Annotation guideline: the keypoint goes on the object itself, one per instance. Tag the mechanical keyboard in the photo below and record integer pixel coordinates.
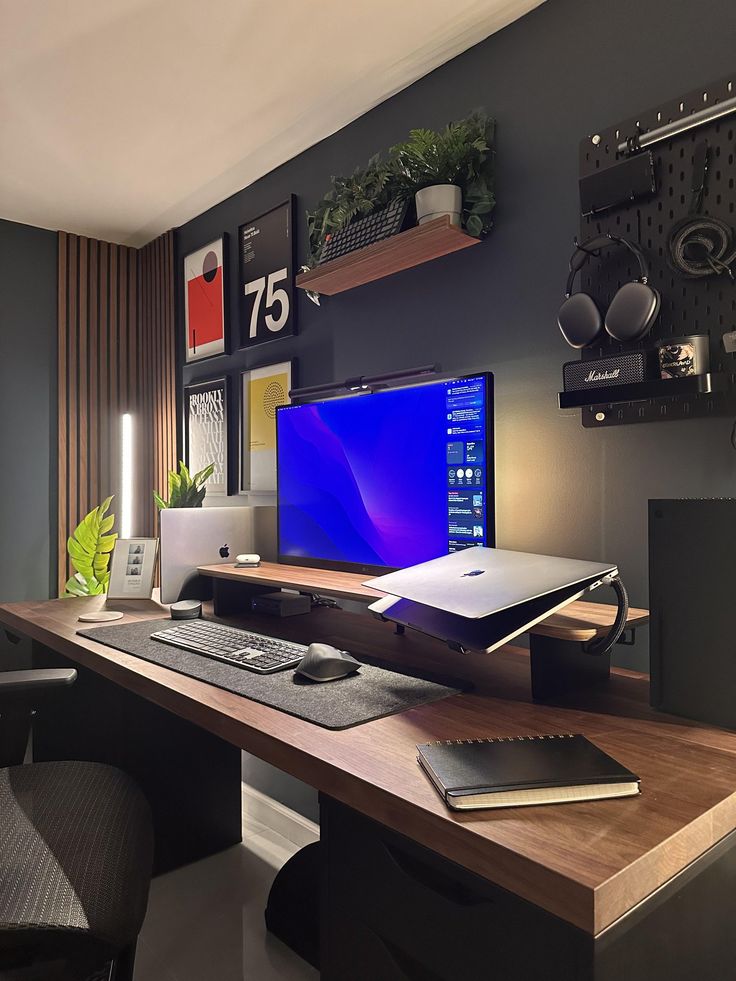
(374, 227)
(254, 652)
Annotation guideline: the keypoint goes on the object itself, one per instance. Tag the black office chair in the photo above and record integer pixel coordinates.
(76, 846)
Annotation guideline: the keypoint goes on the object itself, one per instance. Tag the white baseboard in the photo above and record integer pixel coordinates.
(260, 808)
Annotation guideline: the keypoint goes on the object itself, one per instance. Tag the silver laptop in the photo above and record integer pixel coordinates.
(480, 599)
(191, 537)
(479, 581)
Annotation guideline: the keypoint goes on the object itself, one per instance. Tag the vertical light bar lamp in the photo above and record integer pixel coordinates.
(126, 475)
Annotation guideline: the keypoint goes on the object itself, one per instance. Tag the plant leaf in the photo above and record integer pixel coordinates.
(89, 547)
(174, 482)
(205, 474)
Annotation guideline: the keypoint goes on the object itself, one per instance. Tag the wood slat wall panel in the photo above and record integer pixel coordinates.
(156, 342)
(116, 353)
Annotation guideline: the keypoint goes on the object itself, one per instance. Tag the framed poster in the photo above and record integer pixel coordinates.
(132, 569)
(266, 258)
(205, 298)
(205, 431)
(261, 391)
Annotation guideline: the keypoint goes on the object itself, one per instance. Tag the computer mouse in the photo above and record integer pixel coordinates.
(325, 663)
(188, 609)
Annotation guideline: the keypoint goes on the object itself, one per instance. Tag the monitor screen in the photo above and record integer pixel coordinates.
(386, 480)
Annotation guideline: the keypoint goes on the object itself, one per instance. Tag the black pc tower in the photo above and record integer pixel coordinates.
(692, 601)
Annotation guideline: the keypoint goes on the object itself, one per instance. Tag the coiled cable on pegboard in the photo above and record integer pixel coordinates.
(700, 245)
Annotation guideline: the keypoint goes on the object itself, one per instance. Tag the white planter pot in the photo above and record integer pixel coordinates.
(438, 200)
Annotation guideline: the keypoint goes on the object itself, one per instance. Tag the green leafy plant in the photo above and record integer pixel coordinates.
(89, 550)
(365, 190)
(462, 153)
(185, 491)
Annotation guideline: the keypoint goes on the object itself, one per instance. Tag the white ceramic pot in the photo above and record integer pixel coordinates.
(438, 200)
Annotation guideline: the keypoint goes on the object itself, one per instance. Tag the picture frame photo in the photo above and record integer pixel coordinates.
(261, 390)
(205, 301)
(132, 568)
(267, 306)
(206, 431)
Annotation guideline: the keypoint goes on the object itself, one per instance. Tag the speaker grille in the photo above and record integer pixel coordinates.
(624, 369)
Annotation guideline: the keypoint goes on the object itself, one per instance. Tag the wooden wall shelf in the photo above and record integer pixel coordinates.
(411, 248)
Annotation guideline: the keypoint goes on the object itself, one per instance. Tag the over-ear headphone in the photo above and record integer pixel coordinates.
(630, 313)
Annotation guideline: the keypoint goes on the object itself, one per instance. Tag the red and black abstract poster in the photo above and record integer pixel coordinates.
(204, 301)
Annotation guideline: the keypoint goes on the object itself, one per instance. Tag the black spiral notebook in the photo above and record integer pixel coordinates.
(471, 774)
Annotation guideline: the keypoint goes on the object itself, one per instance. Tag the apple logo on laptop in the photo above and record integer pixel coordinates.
(474, 572)
(225, 551)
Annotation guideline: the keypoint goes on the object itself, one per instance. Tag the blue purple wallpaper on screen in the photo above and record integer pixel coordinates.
(364, 479)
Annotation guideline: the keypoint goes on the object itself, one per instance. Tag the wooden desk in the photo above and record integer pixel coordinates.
(588, 864)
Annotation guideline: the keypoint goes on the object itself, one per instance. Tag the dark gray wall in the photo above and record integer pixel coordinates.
(563, 71)
(28, 411)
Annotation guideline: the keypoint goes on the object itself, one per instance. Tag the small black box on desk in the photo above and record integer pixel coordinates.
(692, 602)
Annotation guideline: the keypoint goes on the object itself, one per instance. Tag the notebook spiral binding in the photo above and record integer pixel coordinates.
(500, 739)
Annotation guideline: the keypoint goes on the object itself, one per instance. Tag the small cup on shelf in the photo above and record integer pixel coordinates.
(683, 357)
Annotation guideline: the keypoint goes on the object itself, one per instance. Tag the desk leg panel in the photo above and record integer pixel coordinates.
(397, 911)
(192, 779)
(560, 667)
(683, 932)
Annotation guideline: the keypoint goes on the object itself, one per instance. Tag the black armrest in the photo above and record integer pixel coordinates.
(20, 694)
(35, 680)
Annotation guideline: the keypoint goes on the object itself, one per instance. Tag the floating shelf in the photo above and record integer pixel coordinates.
(411, 248)
(658, 388)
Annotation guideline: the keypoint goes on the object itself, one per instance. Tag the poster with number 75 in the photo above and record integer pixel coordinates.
(266, 256)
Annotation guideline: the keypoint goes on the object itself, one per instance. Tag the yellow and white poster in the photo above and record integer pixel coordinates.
(262, 390)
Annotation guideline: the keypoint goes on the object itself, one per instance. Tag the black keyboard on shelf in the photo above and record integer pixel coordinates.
(254, 652)
(365, 231)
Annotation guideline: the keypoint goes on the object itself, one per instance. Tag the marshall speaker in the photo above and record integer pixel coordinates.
(623, 369)
(692, 601)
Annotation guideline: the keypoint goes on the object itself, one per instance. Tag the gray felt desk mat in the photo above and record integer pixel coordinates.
(370, 694)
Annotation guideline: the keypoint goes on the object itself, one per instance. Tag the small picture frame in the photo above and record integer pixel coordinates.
(261, 391)
(132, 568)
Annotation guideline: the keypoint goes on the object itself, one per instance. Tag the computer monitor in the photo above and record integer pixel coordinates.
(385, 480)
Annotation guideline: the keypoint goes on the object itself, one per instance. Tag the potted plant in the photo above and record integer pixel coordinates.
(185, 491)
(450, 172)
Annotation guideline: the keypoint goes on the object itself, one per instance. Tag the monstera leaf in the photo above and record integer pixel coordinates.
(89, 550)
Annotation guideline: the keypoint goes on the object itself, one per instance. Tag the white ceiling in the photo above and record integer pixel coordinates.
(122, 118)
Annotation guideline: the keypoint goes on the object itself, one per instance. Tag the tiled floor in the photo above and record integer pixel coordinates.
(205, 921)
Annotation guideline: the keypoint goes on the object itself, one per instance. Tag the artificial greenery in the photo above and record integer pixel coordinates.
(185, 491)
(365, 190)
(462, 154)
(89, 550)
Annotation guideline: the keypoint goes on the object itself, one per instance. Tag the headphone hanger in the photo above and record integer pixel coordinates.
(593, 247)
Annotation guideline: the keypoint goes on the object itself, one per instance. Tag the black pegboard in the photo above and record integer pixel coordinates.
(705, 306)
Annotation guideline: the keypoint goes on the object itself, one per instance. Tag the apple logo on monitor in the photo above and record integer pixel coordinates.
(225, 551)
